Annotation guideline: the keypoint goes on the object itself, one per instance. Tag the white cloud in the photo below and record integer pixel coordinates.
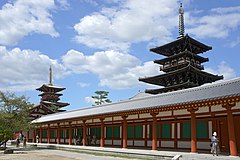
(218, 24)
(223, 69)
(130, 22)
(114, 69)
(23, 70)
(24, 17)
(83, 85)
(89, 100)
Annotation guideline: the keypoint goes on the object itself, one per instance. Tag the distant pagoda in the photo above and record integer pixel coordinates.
(182, 66)
(50, 97)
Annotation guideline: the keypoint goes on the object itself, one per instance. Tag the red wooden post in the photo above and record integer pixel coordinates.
(102, 133)
(58, 134)
(124, 132)
(193, 130)
(84, 140)
(70, 134)
(231, 130)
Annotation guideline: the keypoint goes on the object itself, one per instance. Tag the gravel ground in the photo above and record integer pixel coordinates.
(52, 155)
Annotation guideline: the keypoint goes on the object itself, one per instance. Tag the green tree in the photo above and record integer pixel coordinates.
(14, 114)
(101, 97)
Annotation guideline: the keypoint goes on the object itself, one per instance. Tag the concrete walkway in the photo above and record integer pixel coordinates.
(140, 152)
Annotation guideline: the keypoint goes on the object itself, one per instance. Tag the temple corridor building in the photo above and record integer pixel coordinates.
(182, 114)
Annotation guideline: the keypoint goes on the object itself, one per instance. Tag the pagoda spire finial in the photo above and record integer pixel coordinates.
(50, 75)
(181, 21)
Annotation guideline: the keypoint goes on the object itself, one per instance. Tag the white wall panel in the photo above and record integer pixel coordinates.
(139, 143)
(169, 144)
(184, 144)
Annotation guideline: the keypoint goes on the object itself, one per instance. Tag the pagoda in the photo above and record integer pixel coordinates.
(50, 96)
(182, 66)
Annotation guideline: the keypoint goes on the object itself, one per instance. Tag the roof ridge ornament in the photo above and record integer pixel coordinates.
(50, 75)
(181, 21)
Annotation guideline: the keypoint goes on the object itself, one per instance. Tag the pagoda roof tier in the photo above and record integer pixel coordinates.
(181, 54)
(160, 79)
(60, 104)
(50, 93)
(47, 88)
(181, 44)
(185, 85)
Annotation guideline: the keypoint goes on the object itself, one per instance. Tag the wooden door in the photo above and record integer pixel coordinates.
(223, 134)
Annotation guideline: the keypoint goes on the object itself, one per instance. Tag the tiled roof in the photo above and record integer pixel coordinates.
(218, 90)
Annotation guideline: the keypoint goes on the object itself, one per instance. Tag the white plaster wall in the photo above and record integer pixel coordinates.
(162, 114)
(169, 144)
(108, 142)
(202, 109)
(117, 142)
(88, 121)
(130, 142)
(203, 145)
(132, 116)
(149, 143)
(173, 129)
(210, 129)
(178, 130)
(52, 140)
(44, 140)
(120, 131)
(62, 140)
(180, 112)
(108, 119)
(74, 122)
(139, 143)
(145, 115)
(67, 140)
(117, 118)
(184, 144)
(96, 120)
(217, 108)
(237, 106)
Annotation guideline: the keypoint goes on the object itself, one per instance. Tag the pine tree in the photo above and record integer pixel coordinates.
(101, 97)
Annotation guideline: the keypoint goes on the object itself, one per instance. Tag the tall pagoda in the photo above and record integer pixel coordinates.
(50, 96)
(183, 65)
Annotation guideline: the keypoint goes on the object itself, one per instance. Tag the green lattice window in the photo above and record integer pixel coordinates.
(202, 130)
(79, 132)
(109, 132)
(138, 131)
(44, 133)
(158, 131)
(67, 133)
(130, 132)
(186, 130)
(166, 130)
(61, 133)
(116, 132)
(52, 134)
(98, 132)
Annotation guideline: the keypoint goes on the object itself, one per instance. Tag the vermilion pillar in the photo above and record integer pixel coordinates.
(48, 134)
(58, 134)
(154, 131)
(40, 135)
(102, 133)
(124, 132)
(193, 130)
(84, 133)
(70, 134)
(231, 130)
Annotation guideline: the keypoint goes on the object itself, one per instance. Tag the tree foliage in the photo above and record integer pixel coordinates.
(101, 97)
(14, 114)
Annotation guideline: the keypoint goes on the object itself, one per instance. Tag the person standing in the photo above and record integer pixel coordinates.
(214, 144)
(37, 138)
(24, 142)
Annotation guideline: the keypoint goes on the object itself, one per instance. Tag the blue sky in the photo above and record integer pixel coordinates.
(104, 45)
